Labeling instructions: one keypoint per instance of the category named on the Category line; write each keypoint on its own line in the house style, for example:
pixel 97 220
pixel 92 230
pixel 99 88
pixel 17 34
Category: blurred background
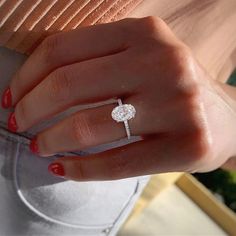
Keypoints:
pixel 222 184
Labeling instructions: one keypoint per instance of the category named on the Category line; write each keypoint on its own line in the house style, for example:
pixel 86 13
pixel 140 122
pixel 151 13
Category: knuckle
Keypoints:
pixel 82 130
pixel 183 70
pixel 201 146
pixel 60 85
pixel 49 48
pixel 144 28
pixel 152 23
pixel 181 59
pixel 193 99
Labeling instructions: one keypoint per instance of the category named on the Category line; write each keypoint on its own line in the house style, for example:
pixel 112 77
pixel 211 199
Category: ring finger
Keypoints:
pixel 83 129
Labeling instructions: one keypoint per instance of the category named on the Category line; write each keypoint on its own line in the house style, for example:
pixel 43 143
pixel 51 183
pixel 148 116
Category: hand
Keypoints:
pixel 181 116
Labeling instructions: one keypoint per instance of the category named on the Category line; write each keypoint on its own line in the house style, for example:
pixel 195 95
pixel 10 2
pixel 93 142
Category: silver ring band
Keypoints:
pixel 127 129
pixel 123 113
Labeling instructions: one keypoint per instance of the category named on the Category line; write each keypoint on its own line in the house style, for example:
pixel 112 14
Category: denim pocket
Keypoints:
pixel 41 204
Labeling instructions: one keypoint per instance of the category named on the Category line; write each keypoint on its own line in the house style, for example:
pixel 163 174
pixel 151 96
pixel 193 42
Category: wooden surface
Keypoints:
pixel 172 213
pixel 156 185
pixel 205 200
pixel 191 187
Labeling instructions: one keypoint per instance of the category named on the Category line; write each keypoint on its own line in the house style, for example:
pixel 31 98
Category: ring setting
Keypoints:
pixel 123 113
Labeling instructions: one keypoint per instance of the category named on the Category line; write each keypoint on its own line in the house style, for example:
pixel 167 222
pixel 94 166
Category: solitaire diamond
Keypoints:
pixel 123 112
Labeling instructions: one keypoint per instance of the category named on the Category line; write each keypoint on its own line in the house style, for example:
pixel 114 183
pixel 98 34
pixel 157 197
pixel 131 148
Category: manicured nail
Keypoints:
pixel 34 146
pixel 56 169
pixel 7 99
pixel 12 125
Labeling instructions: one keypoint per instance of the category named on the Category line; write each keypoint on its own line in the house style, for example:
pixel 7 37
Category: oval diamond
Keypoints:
pixel 123 112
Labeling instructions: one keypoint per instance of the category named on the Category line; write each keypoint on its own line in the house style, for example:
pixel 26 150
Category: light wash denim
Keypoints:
pixel 34 202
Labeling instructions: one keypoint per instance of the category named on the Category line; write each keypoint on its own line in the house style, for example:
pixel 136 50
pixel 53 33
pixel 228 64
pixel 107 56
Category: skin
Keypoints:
pixel 203 25
pixel 206 26
pixel 180 106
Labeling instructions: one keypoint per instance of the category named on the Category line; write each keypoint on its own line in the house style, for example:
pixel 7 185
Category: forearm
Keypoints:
pixel 207 26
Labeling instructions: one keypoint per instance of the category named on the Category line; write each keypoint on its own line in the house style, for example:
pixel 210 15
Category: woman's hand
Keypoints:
pixel 182 115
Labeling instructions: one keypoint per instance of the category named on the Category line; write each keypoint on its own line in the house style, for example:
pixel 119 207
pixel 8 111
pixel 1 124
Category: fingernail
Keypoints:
pixel 34 146
pixel 56 169
pixel 12 125
pixel 7 99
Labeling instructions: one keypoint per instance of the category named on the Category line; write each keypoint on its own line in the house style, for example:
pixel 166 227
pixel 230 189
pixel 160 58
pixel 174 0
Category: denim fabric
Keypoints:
pixel 34 202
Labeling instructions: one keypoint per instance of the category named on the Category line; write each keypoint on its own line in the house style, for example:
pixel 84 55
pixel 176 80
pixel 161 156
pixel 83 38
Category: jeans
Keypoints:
pixel 34 202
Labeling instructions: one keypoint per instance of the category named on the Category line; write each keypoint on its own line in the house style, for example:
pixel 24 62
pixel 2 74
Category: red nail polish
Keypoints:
pixel 7 99
pixel 56 169
pixel 34 146
pixel 12 125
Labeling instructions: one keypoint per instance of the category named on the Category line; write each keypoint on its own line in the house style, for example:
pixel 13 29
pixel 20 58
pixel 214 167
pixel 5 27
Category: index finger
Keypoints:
pixel 67 48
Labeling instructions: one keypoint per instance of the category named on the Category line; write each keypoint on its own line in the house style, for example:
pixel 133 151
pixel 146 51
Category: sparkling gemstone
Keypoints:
pixel 123 112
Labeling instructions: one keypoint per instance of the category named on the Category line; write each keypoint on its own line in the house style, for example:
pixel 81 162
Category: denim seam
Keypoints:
pixel 13 137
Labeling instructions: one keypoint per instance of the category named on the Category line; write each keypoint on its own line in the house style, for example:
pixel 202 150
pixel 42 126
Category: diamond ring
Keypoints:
pixel 123 113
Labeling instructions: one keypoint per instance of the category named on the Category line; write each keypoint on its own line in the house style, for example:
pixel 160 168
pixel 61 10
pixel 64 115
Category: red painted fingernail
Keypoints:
pixel 12 125
pixel 34 146
pixel 7 99
pixel 56 169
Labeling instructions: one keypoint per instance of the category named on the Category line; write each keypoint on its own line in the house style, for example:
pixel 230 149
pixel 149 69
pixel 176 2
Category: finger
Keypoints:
pixel 72 85
pixel 95 126
pixel 67 48
pixel 148 156
pixel 77 84
pixel 86 128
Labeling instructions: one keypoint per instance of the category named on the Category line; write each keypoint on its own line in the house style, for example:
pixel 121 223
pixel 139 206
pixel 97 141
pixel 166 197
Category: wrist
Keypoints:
pixel 227 94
